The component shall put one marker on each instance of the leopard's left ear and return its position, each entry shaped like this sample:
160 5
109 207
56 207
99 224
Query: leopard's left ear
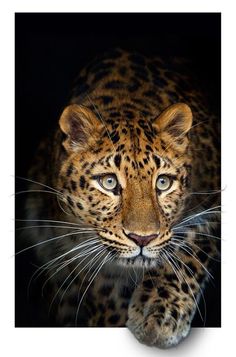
176 120
172 126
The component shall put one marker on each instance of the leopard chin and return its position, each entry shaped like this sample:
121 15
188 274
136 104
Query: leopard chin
139 261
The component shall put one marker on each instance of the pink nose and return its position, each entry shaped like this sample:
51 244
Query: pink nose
141 240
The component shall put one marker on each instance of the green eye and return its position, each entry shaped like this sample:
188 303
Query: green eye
163 182
108 182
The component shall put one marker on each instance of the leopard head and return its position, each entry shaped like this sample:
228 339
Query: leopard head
129 179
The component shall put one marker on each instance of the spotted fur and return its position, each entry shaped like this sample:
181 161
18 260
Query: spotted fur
136 118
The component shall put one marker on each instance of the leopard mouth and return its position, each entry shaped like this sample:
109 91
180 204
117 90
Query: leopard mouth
138 256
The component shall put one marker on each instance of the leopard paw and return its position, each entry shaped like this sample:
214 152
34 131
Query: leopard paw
163 334
159 322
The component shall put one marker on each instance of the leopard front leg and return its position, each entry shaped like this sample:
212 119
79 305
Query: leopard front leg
163 305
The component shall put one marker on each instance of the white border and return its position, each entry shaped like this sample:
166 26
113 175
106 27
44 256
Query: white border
113 342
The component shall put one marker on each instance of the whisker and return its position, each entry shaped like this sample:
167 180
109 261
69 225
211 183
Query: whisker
208 211
51 221
37 191
38 183
196 224
213 192
105 260
90 265
59 204
91 251
200 289
50 240
200 234
194 257
46 266
178 268
51 226
186 243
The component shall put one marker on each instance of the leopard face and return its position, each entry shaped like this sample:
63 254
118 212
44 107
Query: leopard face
127 179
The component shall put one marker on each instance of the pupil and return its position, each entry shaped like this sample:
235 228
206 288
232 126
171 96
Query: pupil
110 181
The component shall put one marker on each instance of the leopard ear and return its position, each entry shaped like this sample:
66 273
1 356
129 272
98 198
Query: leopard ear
81 127
175 120
173 124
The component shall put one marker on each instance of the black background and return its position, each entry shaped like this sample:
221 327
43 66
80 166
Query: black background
50 51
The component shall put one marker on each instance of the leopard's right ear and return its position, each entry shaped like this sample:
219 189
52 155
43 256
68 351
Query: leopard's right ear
81 127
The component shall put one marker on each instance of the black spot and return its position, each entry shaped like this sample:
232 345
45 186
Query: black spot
100 66
126 292
124 305
150 93
101 307
120 147
160 82
140 72
133 86
100 75
73 185
190 269
174 286
144 298
106 99
82 182
184 287
92 307
157 161
111 305
113 319
138 131
148 284
174 314
105 290
202 256
170 277
69 170
163 293
79 205
116 84
162 309
115 138
148 148
114 114
129 114
71 203
117 161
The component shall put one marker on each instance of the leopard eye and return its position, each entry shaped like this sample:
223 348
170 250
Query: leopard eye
108 182
163 183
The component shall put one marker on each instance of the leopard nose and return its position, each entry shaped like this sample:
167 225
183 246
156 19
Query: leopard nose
141 241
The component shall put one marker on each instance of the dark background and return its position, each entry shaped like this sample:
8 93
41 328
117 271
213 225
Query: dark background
50 51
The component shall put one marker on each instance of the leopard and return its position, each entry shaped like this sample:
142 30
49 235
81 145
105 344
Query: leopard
127 199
